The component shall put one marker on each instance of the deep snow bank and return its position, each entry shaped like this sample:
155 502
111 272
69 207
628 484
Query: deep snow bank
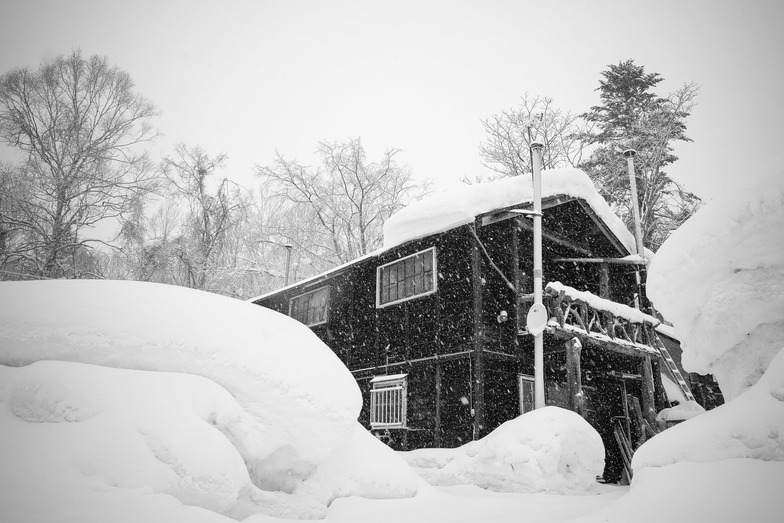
259 417
750 426
546 450
720 279
301 399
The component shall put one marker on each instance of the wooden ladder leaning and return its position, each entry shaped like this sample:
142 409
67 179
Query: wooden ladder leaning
665 354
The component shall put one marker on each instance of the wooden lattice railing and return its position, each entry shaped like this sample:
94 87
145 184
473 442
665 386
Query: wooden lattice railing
585 317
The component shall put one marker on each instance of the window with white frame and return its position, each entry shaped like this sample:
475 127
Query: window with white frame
310 308
526 390
388 401
406 278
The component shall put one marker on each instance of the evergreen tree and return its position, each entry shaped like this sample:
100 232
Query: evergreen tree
631 116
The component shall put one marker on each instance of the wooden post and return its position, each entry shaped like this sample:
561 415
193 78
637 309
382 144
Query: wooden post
516 280
437 423
658 387
648 400
604 281
479 372
573 377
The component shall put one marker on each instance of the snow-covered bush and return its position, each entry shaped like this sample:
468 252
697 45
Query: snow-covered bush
546 450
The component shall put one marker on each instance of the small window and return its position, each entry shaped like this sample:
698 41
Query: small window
310 308
406 278
388 402
526 390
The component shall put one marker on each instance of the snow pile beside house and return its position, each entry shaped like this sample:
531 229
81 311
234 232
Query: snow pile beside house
750 426
546 450
462 205
261 405
720 280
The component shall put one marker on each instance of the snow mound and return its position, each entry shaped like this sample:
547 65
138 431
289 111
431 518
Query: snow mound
301 399
462 205
546 450
247 411
365 467
720 279
750 426
114 425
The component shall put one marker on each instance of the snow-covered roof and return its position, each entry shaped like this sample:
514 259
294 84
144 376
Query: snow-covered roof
459 206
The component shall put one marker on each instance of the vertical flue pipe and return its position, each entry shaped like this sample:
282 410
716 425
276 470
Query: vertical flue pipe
536 151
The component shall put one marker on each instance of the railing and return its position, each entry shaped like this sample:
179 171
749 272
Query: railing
598 316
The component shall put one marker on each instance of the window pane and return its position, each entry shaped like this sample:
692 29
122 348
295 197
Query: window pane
406 278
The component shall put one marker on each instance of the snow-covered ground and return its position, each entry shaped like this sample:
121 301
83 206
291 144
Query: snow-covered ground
131 402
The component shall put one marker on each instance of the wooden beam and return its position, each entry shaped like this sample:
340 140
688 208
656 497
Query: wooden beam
478 375
617 261
437 422
517 279
560 240
588 340
503 213
648 400
604 281
573 377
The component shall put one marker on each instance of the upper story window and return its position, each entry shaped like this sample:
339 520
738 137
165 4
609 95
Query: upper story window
310 308
406 278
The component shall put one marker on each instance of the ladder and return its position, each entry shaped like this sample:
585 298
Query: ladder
665 354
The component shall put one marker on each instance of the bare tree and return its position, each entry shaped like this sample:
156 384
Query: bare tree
341 206
79 123
213 208
510 133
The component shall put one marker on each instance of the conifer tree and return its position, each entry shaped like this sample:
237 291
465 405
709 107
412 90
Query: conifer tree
632 116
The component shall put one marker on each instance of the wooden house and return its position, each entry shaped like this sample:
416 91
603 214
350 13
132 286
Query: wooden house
432 326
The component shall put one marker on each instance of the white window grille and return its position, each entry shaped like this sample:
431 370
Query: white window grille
310 308
406 278
526 389
388 401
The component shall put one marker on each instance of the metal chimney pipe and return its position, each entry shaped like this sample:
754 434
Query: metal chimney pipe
536 151
288 247
630 154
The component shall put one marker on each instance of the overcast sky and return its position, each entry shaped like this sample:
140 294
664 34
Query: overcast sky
247 78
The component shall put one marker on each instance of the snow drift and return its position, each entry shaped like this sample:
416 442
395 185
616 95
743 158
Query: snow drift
302 399
546 450
720 279
247 412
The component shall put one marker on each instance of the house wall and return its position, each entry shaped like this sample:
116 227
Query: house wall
433 338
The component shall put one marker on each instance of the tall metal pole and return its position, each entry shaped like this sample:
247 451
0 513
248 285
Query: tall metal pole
629 154
288 247
536 151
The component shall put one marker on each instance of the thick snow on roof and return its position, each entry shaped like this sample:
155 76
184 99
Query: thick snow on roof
462 205
720 279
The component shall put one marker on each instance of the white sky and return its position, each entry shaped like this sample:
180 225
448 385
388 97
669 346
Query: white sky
247 78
